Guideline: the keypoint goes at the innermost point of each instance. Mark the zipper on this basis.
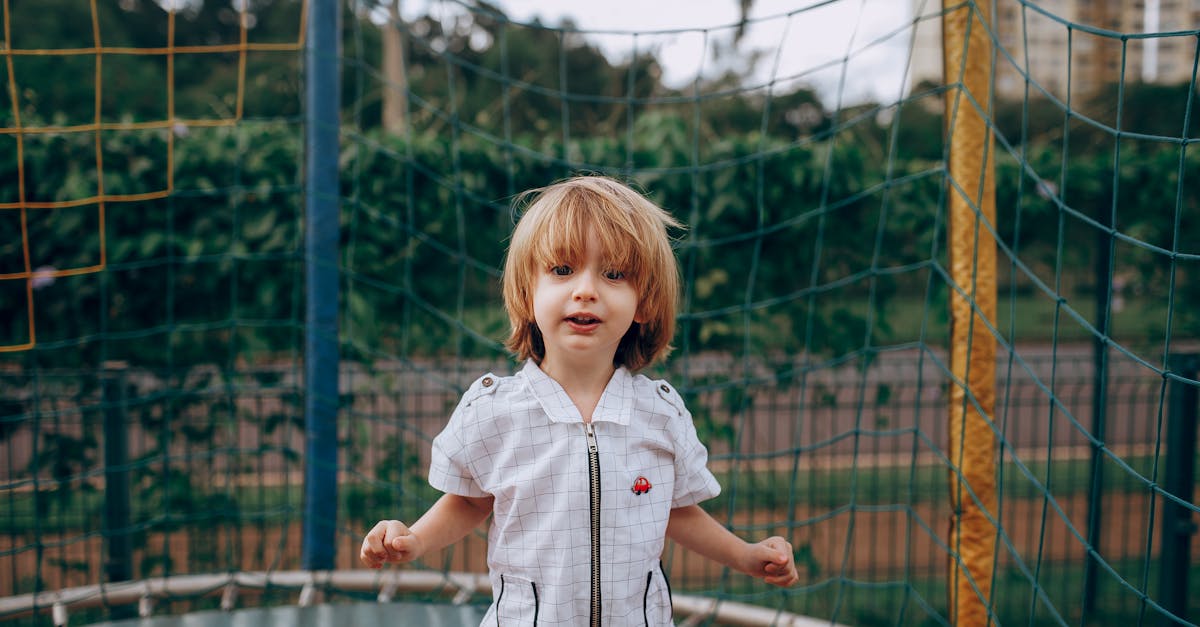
(594, 508)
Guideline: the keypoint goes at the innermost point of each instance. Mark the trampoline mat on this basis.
(340, 615)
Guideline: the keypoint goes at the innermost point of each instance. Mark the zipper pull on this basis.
(591, 436)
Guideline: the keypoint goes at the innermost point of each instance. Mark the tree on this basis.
(134, 85)
(394, 94)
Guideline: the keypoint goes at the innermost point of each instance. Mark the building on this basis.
(1083, 44)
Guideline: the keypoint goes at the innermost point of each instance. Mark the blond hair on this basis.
(632, 233)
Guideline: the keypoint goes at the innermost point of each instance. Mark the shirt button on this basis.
(487, 382)
(664, 388)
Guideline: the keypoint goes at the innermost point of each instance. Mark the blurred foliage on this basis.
(785, 242)
(805, 225)
(80, 87)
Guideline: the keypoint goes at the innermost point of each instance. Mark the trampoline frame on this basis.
(461, 586)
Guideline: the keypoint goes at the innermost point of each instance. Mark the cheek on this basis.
(640, 315)
(537, 302)
(543, 298)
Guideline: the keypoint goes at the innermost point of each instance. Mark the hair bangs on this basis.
(582, 219)
(622, 248)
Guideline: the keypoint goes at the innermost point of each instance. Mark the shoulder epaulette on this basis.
(482, 386)
(669, 394)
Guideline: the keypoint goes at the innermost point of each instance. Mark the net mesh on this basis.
(151, 236)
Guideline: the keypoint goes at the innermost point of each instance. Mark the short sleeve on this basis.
(693, 480)
(450, 461)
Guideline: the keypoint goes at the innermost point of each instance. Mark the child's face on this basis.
(583, 310)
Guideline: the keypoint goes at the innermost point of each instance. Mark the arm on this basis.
(770, 560)
(450, 519)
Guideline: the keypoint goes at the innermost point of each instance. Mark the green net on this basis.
(151, 236)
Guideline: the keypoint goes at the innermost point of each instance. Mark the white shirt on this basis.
(522, 440)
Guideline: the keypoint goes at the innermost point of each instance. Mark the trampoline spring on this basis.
(145, 606)
(387, 591)
(306, 594)
(229, 596)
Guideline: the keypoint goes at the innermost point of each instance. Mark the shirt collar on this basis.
(615, 405)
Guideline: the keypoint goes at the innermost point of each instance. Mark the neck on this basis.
(578, 374)
(583, 381)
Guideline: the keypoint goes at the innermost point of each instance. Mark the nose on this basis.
(584, 288)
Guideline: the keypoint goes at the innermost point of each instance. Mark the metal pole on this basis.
(322, 107)
(1179, 480)
(1099, 409)
(969, 58)
(118, 564)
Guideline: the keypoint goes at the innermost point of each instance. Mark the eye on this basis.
(561, 270)
(614, 275)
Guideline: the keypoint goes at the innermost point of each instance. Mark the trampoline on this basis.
(363, 613)
(457, 587)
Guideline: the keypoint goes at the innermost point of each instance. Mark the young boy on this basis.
(584, 466)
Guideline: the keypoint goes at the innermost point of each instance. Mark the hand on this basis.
(390, 541)
(773, 562)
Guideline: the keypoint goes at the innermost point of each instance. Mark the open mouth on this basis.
(583, 319)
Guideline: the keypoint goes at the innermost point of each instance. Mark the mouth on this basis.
(583, 319)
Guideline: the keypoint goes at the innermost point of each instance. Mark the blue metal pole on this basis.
(322, 105)
(118, 565)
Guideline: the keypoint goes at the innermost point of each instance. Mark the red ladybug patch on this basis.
(641, 485)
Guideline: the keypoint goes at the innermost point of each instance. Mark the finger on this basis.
(395, 531)
(374, 537)
(388, 541)
(772, 555)
(403, 544)
(786, 577)
(782, 581)
(372, 550)
(779, 544)
(782, 576)
(369, 557)
(785, 556)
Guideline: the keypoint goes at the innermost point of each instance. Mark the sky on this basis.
(801, 41)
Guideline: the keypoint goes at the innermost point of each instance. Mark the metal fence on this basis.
(135, 474)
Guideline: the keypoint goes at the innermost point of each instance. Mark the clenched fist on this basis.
(390, 541)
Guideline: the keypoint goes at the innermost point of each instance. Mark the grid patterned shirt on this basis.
(521, 440)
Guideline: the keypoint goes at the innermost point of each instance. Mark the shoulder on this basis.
(486, 393)
(484, 387)
(658, 396)
(663, 411)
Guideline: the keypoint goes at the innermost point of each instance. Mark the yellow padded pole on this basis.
(967, 48)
